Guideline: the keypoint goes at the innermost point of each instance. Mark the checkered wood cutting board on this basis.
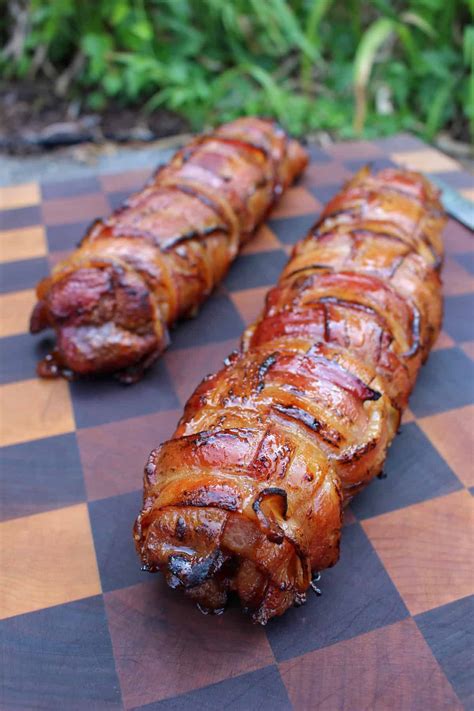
(84, 628)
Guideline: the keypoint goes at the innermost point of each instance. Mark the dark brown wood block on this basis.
(390, 668)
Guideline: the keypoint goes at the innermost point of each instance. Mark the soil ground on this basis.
(33, 119)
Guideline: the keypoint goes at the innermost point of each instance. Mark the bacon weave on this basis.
(248, 496)
(159, 256)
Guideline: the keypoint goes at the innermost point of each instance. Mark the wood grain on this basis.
(32, 409)
(48, 559)
(426, 551)
(371, 672)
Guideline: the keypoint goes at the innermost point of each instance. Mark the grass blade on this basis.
(372, 39)
(318, 10)
(442, 97)
(412, 18)
(272, 90)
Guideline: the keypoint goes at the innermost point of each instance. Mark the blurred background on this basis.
(74, 70)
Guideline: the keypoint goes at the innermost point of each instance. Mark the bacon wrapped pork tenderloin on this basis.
(248, 496)
(159, 256)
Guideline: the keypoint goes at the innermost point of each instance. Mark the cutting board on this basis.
(85, 628)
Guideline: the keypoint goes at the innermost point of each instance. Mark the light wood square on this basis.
(427, 161)
(34, 409)
(23, 195)
(47, 559)
(15, 310)
(25, 243)
(451, 434)
(427, 550)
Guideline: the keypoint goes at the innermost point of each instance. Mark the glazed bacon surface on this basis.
(248, 496)
(159, 256)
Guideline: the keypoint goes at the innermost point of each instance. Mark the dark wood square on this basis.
(20, 217)
(53, 190)
(262, 690)
(113, 455)
(116, 199)
(444, 383)
(449, 633)
(32, 480)
(187, 367)
(375, 164)
(324, 193)
(458, 179)
(175, 647)
(111, 521)
(254, 270)
(414, 472)
(102, 400)
(217, 320)
(19, 356)
(400, 142)
(466, 260)
(69, 210)
(459, 317)
(66, 237)
(289, 229)
(357, 596)
(390, 668)
(60, 658)
(22, 275)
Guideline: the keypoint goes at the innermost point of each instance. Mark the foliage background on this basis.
(344, 66)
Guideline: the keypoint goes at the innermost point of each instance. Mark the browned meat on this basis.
(248, 495)
(159, 256)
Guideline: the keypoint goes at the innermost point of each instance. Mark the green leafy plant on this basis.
(344, 66)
